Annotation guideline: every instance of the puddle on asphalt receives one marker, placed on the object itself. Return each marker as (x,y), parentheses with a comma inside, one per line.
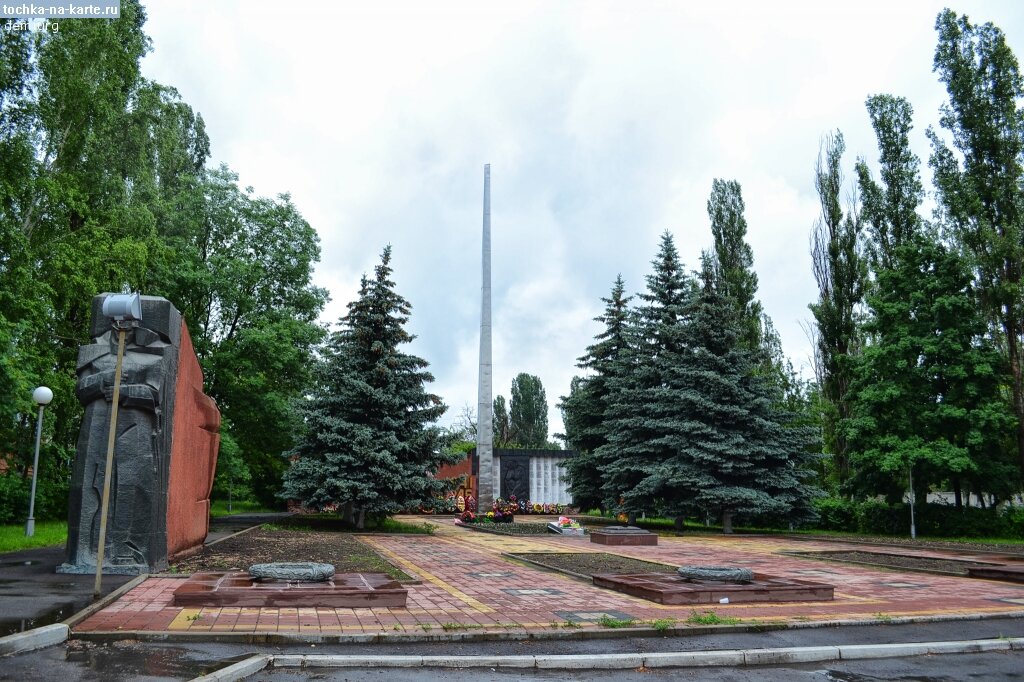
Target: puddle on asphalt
(843,676)
(11,626)
(122,661)
(30,562)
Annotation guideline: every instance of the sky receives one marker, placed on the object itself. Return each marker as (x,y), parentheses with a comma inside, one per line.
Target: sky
(604,124)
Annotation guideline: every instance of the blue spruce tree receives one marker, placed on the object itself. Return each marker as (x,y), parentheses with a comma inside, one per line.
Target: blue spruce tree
(370,445)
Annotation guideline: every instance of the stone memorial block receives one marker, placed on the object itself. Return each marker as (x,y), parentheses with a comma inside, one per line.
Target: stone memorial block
(623,535)
(165,449)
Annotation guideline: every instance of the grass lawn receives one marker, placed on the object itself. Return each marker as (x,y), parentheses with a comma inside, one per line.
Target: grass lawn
(335,524)
(220,508)
(12,537)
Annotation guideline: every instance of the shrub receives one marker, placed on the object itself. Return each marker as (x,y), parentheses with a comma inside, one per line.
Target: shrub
(836,513)
(1013,521)
(14,492)
(875,516)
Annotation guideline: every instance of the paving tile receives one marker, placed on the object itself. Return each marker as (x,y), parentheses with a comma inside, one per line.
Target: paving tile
(497,594)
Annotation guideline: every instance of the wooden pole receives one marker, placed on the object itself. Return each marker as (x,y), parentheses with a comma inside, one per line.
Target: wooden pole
(111,437)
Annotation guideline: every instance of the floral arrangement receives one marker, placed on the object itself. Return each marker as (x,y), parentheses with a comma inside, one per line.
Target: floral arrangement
(501,508)
(494,516)
(566,522)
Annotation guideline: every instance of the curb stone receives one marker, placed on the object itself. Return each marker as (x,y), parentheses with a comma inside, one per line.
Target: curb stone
(683,659)
(279,638)
(37,638)
(238,671)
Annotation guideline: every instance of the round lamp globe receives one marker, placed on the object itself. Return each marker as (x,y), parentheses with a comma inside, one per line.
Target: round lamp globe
(42,395)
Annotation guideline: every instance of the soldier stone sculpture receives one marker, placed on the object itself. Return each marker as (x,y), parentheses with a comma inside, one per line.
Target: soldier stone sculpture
(137,523)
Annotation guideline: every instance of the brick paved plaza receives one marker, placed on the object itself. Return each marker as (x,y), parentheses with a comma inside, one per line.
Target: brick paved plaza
(467,585)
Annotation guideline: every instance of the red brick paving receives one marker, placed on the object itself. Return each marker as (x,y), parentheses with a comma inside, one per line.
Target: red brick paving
(452,597)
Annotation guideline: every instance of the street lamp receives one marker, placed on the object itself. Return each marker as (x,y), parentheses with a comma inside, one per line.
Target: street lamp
(125,312)
(42,397)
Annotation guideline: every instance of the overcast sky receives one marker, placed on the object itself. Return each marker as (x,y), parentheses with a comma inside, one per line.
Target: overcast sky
(604,124)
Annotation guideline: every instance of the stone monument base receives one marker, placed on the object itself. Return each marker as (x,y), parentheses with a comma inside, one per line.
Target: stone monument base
(90,569)
(344,590)
(665,588)
(623,535)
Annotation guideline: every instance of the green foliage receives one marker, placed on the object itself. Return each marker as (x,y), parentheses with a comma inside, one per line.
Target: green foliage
(105,188)
(47,534)
(734,259)
(710,618)
(841,274)
(663,624)
(584,409)
(926,390)
(607,621)
(14,494)
(528,413)
(220,508)
(981,193)
(241,269)
(692,426)
(836,513)
(633,447)
(233,476)
(370,446)
(931,520)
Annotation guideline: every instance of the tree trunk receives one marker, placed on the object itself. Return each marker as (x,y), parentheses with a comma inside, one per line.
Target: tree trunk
(361,522)
(679,523)
(727,522)
(631,519)
(347,514)
(957,494)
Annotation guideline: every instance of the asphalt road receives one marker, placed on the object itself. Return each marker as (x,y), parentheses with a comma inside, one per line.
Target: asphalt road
(137,661)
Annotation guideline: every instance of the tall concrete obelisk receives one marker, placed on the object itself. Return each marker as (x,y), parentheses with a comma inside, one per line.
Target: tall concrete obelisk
(484,416)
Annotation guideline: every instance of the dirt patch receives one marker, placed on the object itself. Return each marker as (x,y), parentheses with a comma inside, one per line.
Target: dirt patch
(592,563)
(901,561)
(509,528)
(345,552)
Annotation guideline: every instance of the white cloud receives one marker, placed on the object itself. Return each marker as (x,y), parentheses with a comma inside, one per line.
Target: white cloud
(604,122)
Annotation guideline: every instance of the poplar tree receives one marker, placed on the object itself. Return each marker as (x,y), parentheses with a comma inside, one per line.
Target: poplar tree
(841,273)
(735,279)
(734,259)
(981,192)
(503,435)
(926,386)
(370,445)
(528,412)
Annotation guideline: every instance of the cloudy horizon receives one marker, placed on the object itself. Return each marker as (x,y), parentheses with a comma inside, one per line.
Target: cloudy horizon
(604,124)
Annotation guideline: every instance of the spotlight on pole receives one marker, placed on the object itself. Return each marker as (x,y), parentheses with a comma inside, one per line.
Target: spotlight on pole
(42,397)
(125,312)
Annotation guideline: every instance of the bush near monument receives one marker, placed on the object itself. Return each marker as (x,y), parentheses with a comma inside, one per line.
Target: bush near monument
(931,520)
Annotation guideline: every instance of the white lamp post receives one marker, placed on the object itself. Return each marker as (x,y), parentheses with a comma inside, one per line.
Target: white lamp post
(42,397)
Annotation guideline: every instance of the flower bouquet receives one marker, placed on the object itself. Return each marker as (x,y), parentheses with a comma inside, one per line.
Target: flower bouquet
(566,526)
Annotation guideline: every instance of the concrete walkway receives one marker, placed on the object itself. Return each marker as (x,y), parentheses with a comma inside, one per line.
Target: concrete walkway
(469,590)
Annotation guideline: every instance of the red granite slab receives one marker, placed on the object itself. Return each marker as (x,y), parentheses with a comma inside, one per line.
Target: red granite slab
(1014,574)
(665,588)
(345,590)
(617,539)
